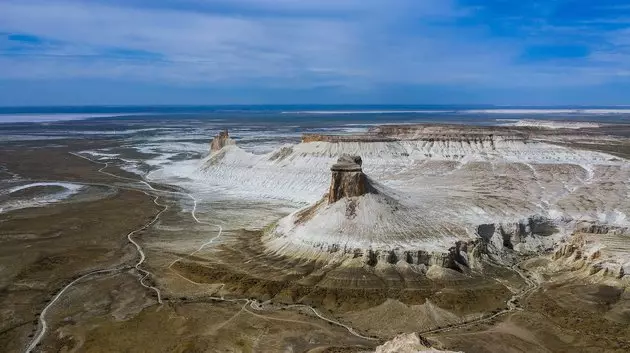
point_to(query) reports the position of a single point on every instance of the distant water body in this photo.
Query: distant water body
(317, 115)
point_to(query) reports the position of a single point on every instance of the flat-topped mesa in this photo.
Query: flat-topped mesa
(221, 140)
(430, 133)
(308, 138)
(348, 179)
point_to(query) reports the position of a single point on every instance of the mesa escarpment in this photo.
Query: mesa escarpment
(308, 138)
(411, 130)
(426, 132)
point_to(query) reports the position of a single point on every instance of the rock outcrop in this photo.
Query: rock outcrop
(600, 228)
(348, 179)
(221, 140)
(597, 249)
(457, 257)
(501, 241)
(408, 343)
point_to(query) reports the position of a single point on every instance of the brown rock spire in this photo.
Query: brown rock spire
(221, 140)
(348, 179)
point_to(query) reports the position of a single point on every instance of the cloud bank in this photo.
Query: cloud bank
(350, 46)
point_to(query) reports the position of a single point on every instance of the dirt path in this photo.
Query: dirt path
(511, 305)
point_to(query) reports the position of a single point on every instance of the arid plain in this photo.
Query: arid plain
(98, 257)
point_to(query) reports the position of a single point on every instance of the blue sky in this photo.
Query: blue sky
(84, 52)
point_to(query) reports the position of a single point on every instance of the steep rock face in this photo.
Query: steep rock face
(221, 140)
(530, 235)
(308, 138)
(300, 172)
(590, 261)
(446, 131)
(598, 249)
(446, 136)
(599, 228)
(348, 179)
(457, 258)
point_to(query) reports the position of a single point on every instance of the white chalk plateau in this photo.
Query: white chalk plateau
(434, 191)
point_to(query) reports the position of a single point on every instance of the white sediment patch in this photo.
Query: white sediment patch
(43, 118)
(367, 112)
(101, 155)
(39, 201)
(72, 188)
(107, 132)
(549, 124)
(499, 111)
(407, 343)
(383, 221)
(548, 111)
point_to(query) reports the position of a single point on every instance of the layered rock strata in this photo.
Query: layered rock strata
(598, 249)
(348, 179)
(430, 133)
(533, 234)
(457, 258)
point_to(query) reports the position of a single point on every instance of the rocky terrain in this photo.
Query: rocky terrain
(427, 238)
(408, 343)
(445, 194)
(361, 220)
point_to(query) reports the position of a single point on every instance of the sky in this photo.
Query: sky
(134, 52)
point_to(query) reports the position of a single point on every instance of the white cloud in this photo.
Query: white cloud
(353, 43)
(213, 46)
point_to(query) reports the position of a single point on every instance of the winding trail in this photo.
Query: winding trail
(511, 305)
(165, 208)
(43, 325)
(255, 305)
(350, 329)
(141, 252)
(170, 267)
(193, 212)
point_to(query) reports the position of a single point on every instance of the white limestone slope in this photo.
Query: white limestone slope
(300, 172)
(385, 220)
